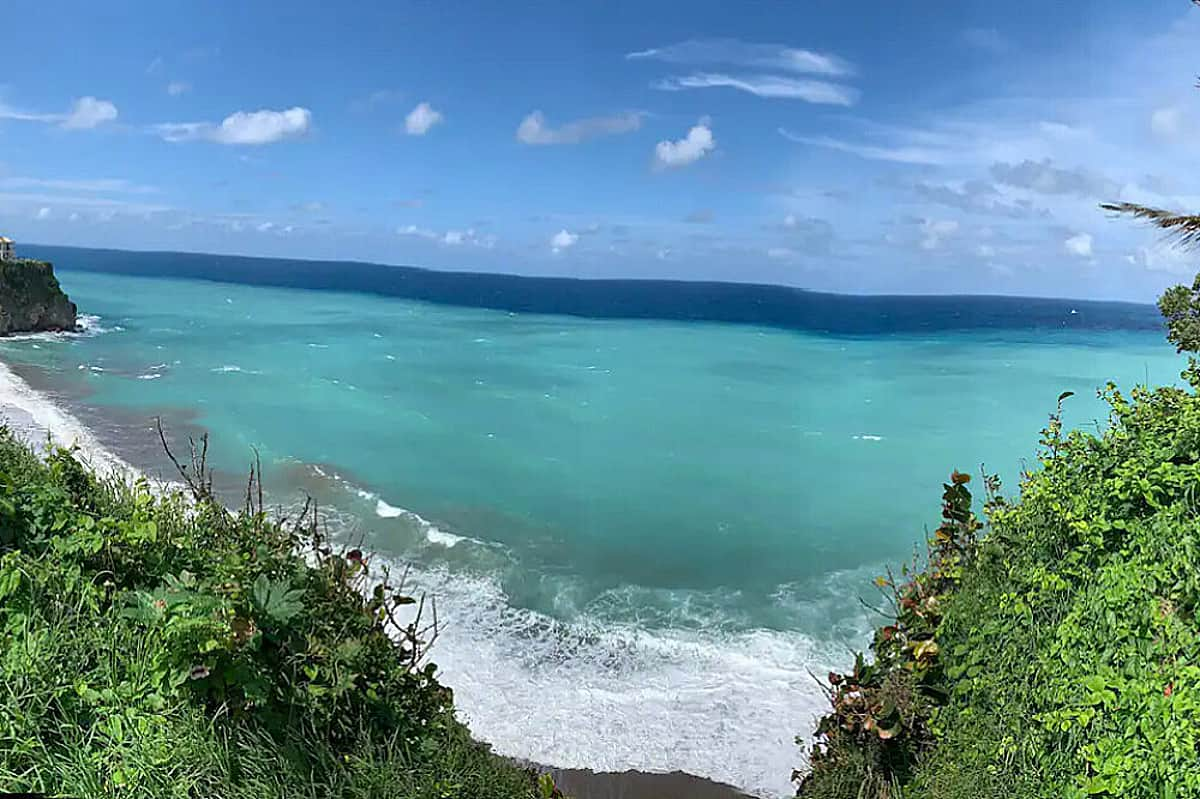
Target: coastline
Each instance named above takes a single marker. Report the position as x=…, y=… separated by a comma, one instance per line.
x=35, y=418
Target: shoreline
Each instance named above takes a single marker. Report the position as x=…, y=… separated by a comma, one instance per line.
x=36, y=418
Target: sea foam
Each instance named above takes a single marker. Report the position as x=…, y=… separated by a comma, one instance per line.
x=614, y=697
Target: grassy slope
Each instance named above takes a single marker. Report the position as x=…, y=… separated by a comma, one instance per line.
x=1067, y=648
x=160, y=648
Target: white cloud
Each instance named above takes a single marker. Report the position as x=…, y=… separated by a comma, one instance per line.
x=563, y=240
x=936, y=231
x=732, y=51
x=243, y=127
x=178, y=87
x=1063, y=131
x=698, y=142
x=781, y=253
x=31, y=202
x=184, y=131
x=265, y=227
x=1079, y=245
x=88, y=112
x=451, y=238
x=1044, y=177
x=1167, y=122
x=85, y=113
x=1165, y=257
x=42, y=213
x=534, y=130
x=770, y=86
x=419, y=232
x=421, y=119
x=985, y=251
x=263, y=127
x=8, y=112
x=902, y=154
x=98, y=185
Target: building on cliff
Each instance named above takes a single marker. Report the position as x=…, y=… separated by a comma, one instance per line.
x=7, y=252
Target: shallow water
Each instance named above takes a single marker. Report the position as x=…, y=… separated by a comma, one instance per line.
x=642, y=533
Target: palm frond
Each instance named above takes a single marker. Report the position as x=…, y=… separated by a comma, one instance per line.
x=1183, y=228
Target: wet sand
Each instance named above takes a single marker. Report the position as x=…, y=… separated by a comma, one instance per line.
x=585, y=784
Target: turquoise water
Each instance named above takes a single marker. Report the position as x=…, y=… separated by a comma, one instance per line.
x=643, y=533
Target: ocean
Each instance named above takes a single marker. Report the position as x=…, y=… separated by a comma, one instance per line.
x=647, y=510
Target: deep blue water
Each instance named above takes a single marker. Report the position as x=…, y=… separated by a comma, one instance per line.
x=771, y=306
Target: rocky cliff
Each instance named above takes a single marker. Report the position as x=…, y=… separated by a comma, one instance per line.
x=31, y=299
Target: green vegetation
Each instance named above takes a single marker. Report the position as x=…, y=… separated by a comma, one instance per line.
x=1054, y=651
x=163, y=646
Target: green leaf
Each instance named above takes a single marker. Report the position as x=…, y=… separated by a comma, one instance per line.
x=276, y=599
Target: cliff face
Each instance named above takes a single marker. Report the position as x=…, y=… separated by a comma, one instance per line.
x=31, y=299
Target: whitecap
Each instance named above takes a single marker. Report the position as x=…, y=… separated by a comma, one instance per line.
x=436, y=535
x=616, y=696
x=150, y=376
x=386, y=511
x=868, y=437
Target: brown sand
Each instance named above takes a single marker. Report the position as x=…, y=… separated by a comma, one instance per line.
x=585, y=784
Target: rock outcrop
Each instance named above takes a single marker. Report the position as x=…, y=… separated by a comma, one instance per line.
x=31, y=299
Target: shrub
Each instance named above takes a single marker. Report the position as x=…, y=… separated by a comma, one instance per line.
x=162, y=646
x=1068, y=647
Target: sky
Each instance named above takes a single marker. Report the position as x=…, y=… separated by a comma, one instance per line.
x=916, y=146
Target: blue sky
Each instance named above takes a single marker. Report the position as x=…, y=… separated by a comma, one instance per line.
x=912, y=146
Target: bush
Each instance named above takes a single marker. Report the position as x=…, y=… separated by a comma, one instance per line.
x=1068, y=647
x=164, y=646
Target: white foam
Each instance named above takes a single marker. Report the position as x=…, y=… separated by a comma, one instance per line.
x=85, y=325
x=613, y=697
x=436, y=535
x=386, y=511
x=150, y=376
x=34, y=417
x=866, y=437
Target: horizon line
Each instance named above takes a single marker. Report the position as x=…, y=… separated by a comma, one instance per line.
x=595, y=280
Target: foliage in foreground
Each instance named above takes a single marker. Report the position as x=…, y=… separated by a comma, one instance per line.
x=162, y=647
x=1065, y=647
